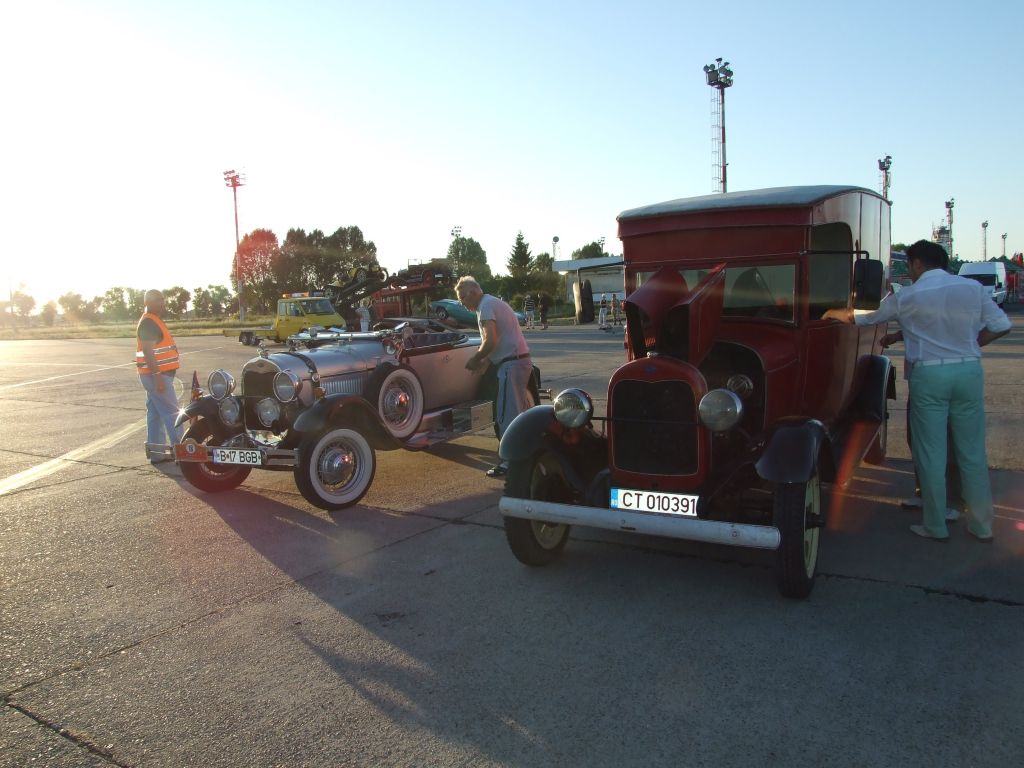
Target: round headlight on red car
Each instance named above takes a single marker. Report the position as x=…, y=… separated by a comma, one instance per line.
x=573, y=408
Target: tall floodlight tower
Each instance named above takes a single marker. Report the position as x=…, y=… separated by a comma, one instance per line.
x=984, y=241
x=883, y=167
x=1004, y=245
x=949, y=223
x=719, y=77
x=236, y=180
x=554, y=247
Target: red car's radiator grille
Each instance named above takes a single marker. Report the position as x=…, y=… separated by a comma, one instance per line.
x=654, y=429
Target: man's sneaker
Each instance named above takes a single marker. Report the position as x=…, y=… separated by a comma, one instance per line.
x=914, y=502
x=498, y=470
x=952, y=515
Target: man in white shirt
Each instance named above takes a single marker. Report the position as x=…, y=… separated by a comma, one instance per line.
x=945, y=321
x=504, y=346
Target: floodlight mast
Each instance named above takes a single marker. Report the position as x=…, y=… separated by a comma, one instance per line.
x=236, y=180
x=883, y=166
x=949, y=222
x=984, y=240
x=719, y=77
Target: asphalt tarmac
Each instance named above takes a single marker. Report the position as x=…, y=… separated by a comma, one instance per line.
x=145, y=623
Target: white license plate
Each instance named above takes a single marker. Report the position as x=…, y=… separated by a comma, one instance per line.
x=236, y=456
x=655, y=501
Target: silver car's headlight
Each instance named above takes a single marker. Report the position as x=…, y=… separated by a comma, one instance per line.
x=573, y=408
x=286, y=386
x=268, y=411
x=230, y=411
x=220, y=384
x=720, y=409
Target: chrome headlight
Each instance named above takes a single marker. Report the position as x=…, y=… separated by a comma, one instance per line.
x=268, y=411
x=230, y=411
x=220, y=384
x=720, y=410
x=573, y=408
x=286, y=386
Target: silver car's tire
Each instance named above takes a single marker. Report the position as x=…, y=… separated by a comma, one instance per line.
x=207, y=476
x=335, y=469
x=398, y=396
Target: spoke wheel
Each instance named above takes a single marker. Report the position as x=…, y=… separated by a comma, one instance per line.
x=207, y=476
x=335, y=468
x=398, y=396
x=535, y=542
x=797, y=510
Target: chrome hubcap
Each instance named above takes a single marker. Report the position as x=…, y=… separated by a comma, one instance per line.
x=337, y=466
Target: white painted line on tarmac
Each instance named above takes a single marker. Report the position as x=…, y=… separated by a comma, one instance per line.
x=92, y=370
x=14, y=482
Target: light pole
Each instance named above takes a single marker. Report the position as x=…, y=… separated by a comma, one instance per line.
x=949, y=224
x=884, y=165
x=235, y=180
x=984, y=241
x=554, y=247
x=600, y=242
x=719, y=76
x=1004, y=245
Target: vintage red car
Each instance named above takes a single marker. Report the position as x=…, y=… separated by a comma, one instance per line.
x=737, y=400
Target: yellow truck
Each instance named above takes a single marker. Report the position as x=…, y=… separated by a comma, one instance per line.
x=295, y=313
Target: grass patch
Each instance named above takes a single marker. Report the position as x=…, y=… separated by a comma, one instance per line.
x=207, y=327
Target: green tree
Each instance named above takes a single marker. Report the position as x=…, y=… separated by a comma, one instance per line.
x=467, y=257
x=114, y=306
x=23, y=303
x=519, y=264
x=176, y=300
x=74, y=307
x=135, y=298
x=220, y=299
x=49, y=313
x=592, y=250
x=543, y=262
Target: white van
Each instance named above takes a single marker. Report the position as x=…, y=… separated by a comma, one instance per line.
x=991, y=274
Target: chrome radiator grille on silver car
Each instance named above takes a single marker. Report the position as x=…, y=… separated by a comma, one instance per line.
x=654, y=427
x=350, y=384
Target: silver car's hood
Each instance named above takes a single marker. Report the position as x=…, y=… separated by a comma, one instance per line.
x=326, y=361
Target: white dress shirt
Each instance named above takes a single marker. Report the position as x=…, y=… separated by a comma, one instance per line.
x=940, y=315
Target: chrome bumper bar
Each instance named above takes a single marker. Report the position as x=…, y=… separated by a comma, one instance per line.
x=670, y=526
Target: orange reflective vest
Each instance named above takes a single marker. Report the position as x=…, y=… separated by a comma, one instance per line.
x=165, y=351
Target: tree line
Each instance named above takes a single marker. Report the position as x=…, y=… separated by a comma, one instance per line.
x=304, y=261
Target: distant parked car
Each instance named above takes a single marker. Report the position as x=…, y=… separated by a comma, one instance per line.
x=450, y=310
x=436, y=272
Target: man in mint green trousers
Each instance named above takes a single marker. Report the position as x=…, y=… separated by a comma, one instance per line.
x=945, y=321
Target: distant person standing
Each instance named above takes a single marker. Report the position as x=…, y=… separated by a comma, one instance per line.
x=156, y=359
x=602, y=314
x=529, y=308
x=504, y=346
x=545, y=304
x=945, y=321
x=364, y=315
x=615, y=309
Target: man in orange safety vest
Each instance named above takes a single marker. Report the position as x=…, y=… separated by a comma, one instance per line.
x=156, y=358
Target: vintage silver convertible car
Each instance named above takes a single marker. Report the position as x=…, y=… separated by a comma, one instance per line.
x=323, y=407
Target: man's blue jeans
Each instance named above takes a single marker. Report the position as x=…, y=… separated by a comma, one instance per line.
x=161, y=410
x=953, y=394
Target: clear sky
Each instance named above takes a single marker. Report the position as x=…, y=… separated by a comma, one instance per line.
x=409, y=118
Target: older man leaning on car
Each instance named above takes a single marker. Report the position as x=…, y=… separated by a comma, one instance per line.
x=504, y=345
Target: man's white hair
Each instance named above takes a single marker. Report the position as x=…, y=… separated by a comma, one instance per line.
x=468, y=281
